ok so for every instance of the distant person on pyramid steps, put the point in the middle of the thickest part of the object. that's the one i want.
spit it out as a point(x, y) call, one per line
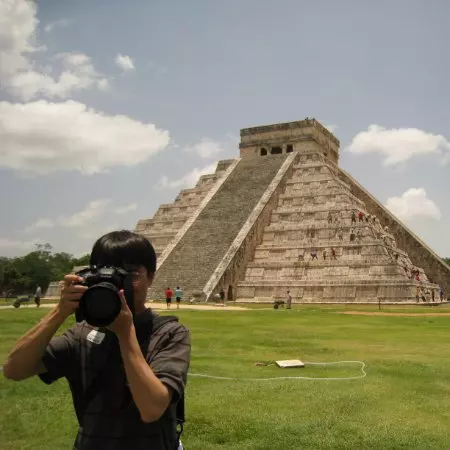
point(37, 296)
point(288, 300)
point(324, 254)
point(352, 235)
point(222, 296)
point(330, 218)
point(333, 253)
point(169, 294)
point(178, 296)
point(353, 217)
point(361, 216)
point(340, 234)
point(314, 254)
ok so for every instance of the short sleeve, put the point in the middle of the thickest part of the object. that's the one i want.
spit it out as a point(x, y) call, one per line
point(170, 362)
point(59, 357)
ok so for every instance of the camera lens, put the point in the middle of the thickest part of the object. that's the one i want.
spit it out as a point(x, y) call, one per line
point(101, 304)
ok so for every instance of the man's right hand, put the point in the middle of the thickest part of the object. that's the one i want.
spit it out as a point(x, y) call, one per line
point(70, 295)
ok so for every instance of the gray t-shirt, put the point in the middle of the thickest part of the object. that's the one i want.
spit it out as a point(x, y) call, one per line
point(112, 420)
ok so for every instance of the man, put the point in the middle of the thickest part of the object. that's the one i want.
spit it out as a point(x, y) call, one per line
point(289, 300)
point(127, 378)
point(352, 235)
point(37, 296)
point(314, 253)
point(178, 295)
point(222, 295)
point(169, 294)
point(333, 253)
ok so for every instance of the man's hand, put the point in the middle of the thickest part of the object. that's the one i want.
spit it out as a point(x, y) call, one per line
point(70, 295)
point(123, 323)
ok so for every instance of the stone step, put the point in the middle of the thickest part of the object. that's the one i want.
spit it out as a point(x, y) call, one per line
point(318, 291)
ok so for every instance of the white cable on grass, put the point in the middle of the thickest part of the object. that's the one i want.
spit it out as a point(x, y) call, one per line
point(362, 365)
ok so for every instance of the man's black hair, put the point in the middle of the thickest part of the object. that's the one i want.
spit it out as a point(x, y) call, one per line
point(123, 249)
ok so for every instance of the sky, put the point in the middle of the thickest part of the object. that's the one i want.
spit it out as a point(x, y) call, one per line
point(110, 108)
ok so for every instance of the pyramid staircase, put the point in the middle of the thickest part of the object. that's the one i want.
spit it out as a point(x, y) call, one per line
point(200, 248)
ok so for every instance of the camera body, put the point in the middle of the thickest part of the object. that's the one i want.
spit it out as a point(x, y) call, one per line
point(100, 304)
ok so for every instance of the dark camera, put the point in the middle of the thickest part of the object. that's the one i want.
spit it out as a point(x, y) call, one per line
point(100, 304)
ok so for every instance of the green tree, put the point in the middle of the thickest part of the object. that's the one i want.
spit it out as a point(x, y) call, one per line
point(35, 268)
point(447, 261)
point(82, 260)
point(62, 264)
point(10, 276)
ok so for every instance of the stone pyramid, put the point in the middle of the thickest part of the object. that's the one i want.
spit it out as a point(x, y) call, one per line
point(284, 216)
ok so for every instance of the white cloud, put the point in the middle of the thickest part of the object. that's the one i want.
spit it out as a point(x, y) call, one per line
point(125, 209)
point(43, 137)
point(16, 244)
point(413, 203)
point(17, 35)
point(94, 210)
point(331, 128)
point(188, 180)
point(20, 75)
point(39, 224)
point(56, 24)
point(125, 62)
point(206, 148)
point(398, 145)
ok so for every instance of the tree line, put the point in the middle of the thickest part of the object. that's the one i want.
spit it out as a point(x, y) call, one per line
point(22, 274)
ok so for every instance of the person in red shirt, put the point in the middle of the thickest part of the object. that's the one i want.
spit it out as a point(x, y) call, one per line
point(169, 294)
point(361, 216)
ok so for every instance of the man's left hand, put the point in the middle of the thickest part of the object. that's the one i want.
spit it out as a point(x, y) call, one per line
point(123, 323)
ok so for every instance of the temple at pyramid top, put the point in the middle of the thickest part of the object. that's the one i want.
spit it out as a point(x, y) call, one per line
point(281, 138)
point(283, 216)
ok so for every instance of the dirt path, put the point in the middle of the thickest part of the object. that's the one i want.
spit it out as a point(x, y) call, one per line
point(374, 313)
point(157, 306)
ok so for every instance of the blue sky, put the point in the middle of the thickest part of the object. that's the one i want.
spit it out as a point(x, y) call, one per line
point(109, 108)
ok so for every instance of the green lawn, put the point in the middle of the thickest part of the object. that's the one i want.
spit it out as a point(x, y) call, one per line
point(403, 403)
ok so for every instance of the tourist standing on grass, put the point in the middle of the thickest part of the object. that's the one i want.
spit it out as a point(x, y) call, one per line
point(178, 296)
point(37, 296)
point(222, 296)
point(126, 378)
point(289, 300)
point(169, 294)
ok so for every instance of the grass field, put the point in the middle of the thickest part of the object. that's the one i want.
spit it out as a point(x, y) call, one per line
point(403, 403)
